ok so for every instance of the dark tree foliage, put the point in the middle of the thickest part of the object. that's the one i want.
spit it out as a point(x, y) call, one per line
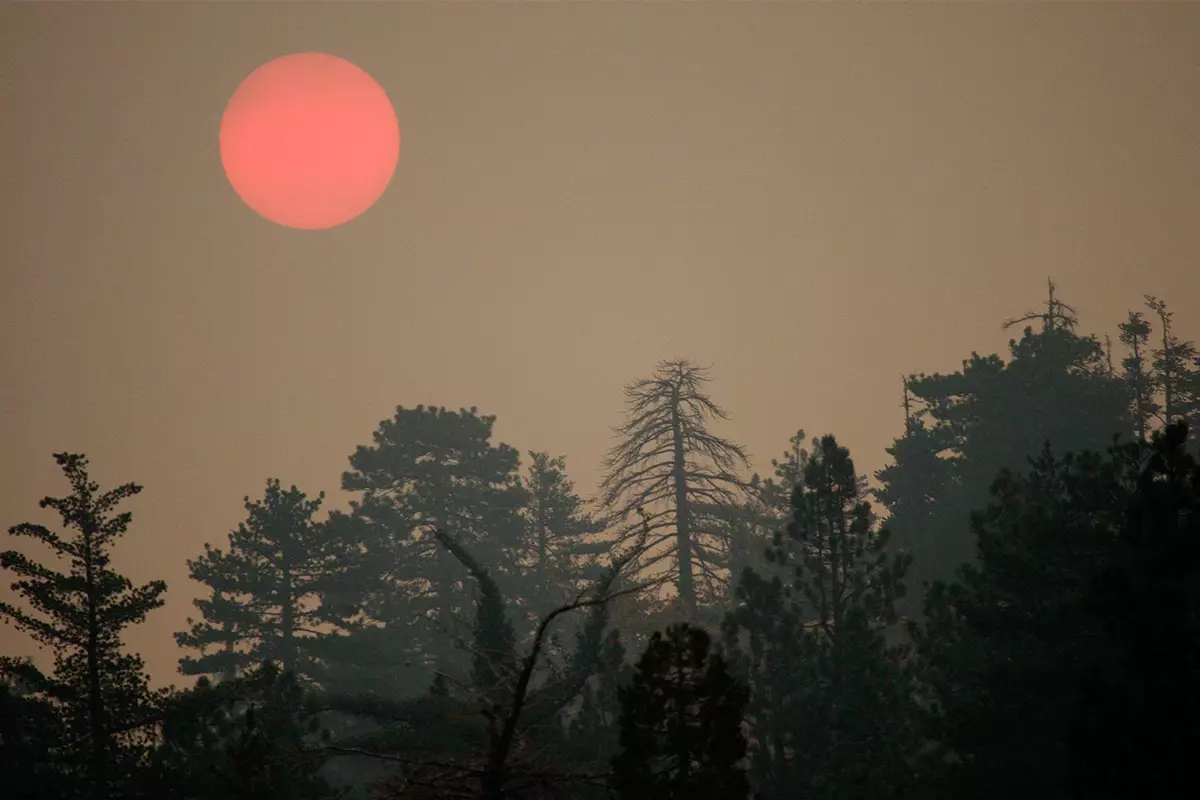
point(377, 654)
point(770, 647)
point(268, 586)
point(254, 737)
point(1176, 369)
point(560, 535)
point(831, 711)
point(101, 693)
point(498, 734)
point(766, 508)
point(1057, 386)
point(681, 723)
point(685, 477)
point(1137, 728)
point(430, 468)
point(591, 739)
point(1138, 373)
point(841, 555)
point(1002, 649)
point(31, 738)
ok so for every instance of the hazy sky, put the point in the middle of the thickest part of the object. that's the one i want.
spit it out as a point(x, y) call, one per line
point(814, 198)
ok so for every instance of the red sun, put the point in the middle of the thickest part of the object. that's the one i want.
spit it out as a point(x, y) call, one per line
point(309, 141)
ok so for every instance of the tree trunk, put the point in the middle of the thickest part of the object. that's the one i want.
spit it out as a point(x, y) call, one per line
point(1139, 393)
point(543, 552)
point(98, 746)
point(683, 533)
point(288, 621)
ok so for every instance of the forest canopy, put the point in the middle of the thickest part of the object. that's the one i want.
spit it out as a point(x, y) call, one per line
point(1009, 608)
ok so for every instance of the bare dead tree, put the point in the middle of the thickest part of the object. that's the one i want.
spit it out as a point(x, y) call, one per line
point(668, 461)
point(1057, 314)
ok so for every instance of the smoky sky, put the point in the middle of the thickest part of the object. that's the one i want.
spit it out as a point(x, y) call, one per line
point(814, 198)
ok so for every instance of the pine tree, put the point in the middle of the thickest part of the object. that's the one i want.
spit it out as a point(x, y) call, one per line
point(841, 556)
point(559, 531)
point(430, 468)
point(831, 710)
point(681, 723)
point(1137, 722)
point(769, 646)
point(1003, 647)
point(267, 588)
point(1056, 386)
point(684, 476)
point(1176, 369)
point(765, 510)
point(1137, 371)
point(101, 692)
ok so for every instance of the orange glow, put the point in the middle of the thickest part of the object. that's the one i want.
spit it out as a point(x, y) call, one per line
point(309, 141)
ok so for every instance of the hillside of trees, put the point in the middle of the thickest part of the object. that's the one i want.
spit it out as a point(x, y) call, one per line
point(1010, 608)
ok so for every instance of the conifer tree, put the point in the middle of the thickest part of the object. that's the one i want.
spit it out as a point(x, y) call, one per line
point(765, 510)
point(1137, 722)
point(831, 702)
point(428, 469)
point(681, 723)
point(559, 528)
point(684, 476)
point(966, 426)
point(1137, 371)
point(1176, 369)
point(267, 588)
point(1002, 648)
point(841, 557)
point(102, 693)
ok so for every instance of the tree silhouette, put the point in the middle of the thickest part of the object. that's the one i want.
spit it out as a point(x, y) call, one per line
point(681, 723)
point(430, 469)
point(831, 702)
point(1138, 720)
point(1137, 371)
point(267, 588)
point(559, 528)
point(253, 737)
point(491, 733)
point(966, 426)
point(1003, 647)
point(101, 692)
point(668, 462)
point(1175, 369)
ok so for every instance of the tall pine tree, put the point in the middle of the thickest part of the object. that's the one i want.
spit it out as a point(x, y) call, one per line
point(101, 692)
point(831, 711)
point(560, 533)
point(1137, 371)
point(1176, 369)
point(429, 469)
point(267, 589)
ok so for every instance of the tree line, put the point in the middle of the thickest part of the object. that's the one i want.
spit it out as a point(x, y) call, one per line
point(1012, 608)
